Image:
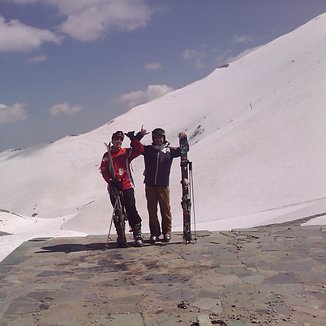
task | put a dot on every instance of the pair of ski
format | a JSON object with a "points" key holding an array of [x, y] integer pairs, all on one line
{"points": [[186, 170], [187, 188]]}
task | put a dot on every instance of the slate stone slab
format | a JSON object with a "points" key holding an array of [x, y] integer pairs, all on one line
{"points": [[273, 275]]}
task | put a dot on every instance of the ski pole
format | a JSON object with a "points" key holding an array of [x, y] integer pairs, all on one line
{"points": [[193, 198], [108, 237]]}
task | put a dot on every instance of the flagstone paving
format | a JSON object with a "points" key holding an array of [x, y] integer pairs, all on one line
{"points": [[272, 275]]}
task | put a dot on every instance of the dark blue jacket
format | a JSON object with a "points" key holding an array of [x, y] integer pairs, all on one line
{"points": [[158, 161]]}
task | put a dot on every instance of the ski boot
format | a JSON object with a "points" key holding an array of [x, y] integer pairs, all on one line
{"points": [[166, 237], [153, 239], [136, 230]]}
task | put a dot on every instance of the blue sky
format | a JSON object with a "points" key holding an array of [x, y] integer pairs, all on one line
{"points": [[68, 67]]}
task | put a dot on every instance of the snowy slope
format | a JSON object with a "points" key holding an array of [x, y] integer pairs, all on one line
{"points": [[257, 130]]}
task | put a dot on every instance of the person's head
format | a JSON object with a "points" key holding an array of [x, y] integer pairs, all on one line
{"points": [[158, 136], [117, 139]]}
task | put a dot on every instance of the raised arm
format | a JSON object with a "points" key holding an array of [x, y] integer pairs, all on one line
{"points": [[137, 147], [176, 151]]}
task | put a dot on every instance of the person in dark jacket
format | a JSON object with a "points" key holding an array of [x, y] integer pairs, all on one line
{"points": [[158, 159], [120, 182]]}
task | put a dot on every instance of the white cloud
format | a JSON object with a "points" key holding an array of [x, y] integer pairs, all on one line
{"points": [[12, 113], [153, 66], [90, 20], [195, 57], [139, 97], [39, 58], [15, 36], [71, 7], [64, 109], [242, 38]]}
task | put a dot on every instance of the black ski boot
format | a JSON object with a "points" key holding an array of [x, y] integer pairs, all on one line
{"points": [[136, 230]]}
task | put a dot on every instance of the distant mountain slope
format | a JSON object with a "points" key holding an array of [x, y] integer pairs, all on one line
{"points": [[257, 130]]}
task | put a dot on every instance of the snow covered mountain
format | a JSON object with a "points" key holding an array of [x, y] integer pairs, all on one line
{"points": [[257, 130]]}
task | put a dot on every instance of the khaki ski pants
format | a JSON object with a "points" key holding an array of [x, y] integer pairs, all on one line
{"points": [[161, 196]]}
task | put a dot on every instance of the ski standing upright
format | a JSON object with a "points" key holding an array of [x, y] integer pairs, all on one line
{"points": [[186, 198]]}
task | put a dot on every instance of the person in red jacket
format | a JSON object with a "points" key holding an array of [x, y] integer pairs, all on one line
{"points": [[120, 181]]}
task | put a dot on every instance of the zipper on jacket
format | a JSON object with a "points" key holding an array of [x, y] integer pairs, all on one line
{"points": [[156, 172]]}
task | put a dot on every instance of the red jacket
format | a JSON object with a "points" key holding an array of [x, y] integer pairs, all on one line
{"points": [[121, 164]]}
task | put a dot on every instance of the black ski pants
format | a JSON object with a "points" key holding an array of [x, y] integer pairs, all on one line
{"points": [[127, 197]]}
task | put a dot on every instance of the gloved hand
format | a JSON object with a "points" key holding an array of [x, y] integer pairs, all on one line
{"points": [[130, 135], [139, 135], [182, 135], [116, 184]]}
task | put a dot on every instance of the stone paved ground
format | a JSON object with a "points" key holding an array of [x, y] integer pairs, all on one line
{"points": [[273, 275]]}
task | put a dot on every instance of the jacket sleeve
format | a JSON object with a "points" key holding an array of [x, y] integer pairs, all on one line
{"points": [[104, 168], [176, 151], [137, 148]]}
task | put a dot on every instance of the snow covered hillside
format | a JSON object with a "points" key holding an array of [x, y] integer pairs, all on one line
{"points": [[257, 130]]}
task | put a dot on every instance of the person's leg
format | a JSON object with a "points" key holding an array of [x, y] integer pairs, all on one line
{"points": [[129, 203], [133, 217], [165, 208], [152, 201]]}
